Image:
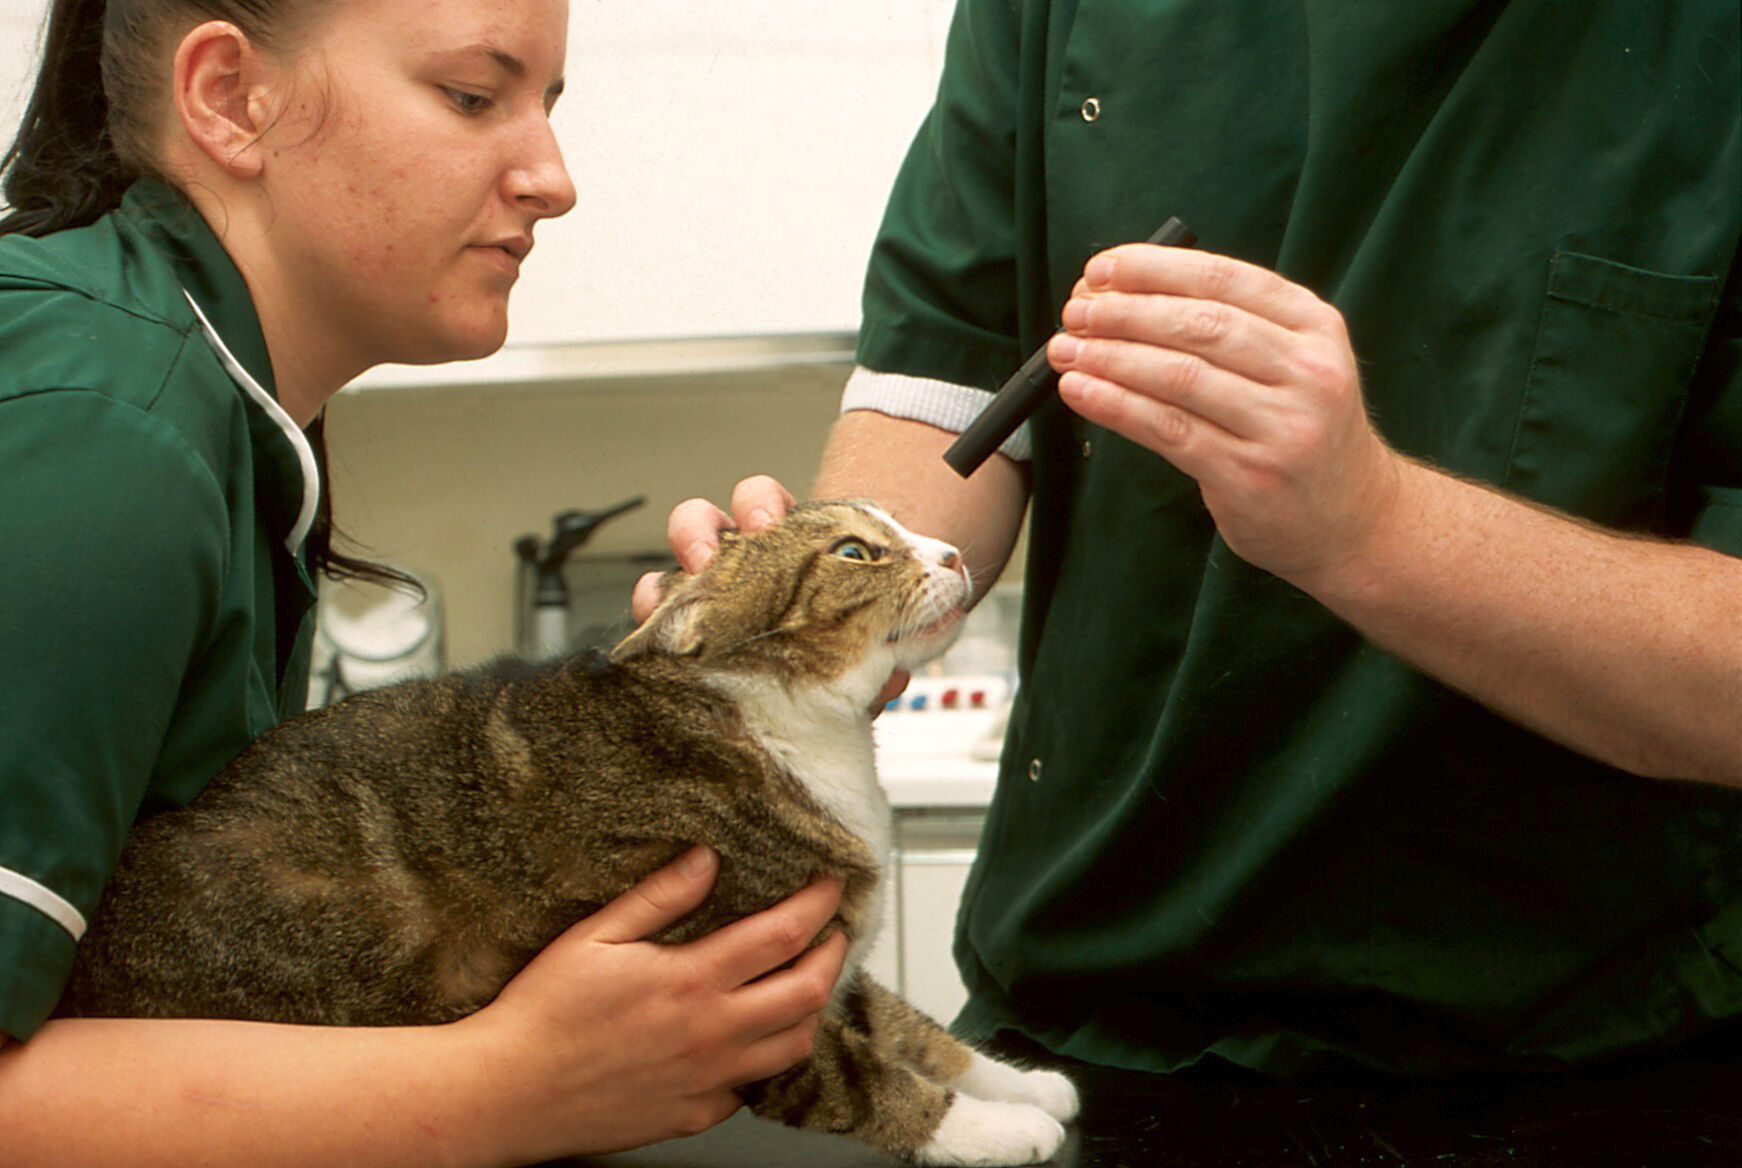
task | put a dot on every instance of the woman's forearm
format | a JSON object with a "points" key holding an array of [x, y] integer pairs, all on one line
{"points": [[123, 1092]]}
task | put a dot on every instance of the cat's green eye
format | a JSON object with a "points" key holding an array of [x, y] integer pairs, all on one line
{"points": [[854, 549]]}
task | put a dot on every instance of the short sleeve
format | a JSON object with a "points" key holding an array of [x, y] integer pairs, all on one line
{"points": [[941, 290], [1712, 455], [113, 534]]}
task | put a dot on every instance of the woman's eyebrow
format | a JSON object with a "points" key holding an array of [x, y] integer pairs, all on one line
{"points": [[511, 65]]}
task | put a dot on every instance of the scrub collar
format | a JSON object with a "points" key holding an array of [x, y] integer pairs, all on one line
{"points": [[224, 309]]}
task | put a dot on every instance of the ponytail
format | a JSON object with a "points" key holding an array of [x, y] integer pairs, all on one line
{"points": [[62, 170], [65, 169]]}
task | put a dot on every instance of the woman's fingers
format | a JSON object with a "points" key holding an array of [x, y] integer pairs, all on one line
{"points": [[661, 899], [782, 1011], [749, 948]]}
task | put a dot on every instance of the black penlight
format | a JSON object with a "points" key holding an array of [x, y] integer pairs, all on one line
{"points": [[1018, 398]]}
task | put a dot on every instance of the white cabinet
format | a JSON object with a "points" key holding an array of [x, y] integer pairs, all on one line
{"points": [[936, 761], [934, 852], [934, 847]]}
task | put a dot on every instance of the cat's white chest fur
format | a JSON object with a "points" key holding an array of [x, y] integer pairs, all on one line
{"points": [[823, 738], [818, 727]]}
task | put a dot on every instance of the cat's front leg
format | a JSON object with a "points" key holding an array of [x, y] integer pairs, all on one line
{"points": [[950, 1062], [987, 1078], [860, 1085]]}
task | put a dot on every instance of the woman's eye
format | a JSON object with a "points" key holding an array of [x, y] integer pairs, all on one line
{"points": [[852, 549], [466, 101]]}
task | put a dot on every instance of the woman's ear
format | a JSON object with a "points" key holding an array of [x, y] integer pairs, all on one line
{"points": [[221, 97]]}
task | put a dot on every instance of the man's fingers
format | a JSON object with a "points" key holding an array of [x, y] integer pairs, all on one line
{"points": [[645, 598], [693, 528], [660, 900], [693, 531], [892, 689], [1204, 275], [759, 501]]}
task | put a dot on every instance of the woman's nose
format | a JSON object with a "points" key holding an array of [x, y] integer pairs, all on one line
{"points": [[542, 180]]}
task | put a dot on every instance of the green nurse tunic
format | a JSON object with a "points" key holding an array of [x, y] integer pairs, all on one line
{"points": [[1225, 824], [154, 603]]}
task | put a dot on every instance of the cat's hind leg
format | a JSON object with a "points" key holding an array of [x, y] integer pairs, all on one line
{"points": [[945, 1059]]}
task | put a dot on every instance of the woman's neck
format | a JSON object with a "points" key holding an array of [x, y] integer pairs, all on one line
{"points": [[309, 362]]}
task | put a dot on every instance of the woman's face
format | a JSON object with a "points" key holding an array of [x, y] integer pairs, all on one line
{"points": [[408, 170]]}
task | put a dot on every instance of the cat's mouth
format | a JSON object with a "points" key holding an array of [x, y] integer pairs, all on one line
{"points": [[932, 629]]}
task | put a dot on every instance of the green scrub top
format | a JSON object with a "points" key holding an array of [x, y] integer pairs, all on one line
{"points": [[1225, 824], [155, 603]]}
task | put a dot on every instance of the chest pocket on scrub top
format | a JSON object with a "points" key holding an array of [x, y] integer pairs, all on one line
{"points": [[1615, 349]]}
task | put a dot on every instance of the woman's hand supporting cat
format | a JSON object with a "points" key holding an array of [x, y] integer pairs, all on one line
{"points": [[665, 1032], [606, 1041]]}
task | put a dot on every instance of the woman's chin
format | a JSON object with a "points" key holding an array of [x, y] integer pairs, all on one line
{"points": [[458, 344]]}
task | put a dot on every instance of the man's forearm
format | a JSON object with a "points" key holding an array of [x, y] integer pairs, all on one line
{"points": [[899, 464], [1625, 649]]}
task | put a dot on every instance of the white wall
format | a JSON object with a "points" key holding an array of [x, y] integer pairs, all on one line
{"points": [[20, 28]]}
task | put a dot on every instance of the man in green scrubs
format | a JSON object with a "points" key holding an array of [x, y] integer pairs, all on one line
{"points": [[181, 607], [1251, 814]]}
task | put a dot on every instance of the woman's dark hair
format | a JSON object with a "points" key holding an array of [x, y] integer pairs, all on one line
{"points": [[90, 130], [322, 556], [92, 124], [61, 170]]}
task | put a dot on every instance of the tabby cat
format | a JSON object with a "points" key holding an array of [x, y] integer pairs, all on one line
{"points": [[396, 858]]}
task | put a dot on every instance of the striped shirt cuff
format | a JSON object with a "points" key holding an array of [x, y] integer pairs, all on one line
{"points": [[943, 404]]}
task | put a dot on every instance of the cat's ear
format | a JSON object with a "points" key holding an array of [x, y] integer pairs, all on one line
{"points": [[675, 627]]}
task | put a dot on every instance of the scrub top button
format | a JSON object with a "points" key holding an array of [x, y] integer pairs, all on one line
{"points": [[1088, 448], [1091, 109], [1034, 770]]}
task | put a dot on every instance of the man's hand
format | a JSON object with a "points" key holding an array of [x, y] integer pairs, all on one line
{"points": [[1244, 381], [693, 531]]}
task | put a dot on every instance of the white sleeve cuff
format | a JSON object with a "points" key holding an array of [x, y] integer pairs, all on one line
{"points": [[43, 899], [943, 404]]}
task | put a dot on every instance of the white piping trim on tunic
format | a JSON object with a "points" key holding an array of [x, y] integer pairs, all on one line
{"points": [[305, 454], [44, 899]]}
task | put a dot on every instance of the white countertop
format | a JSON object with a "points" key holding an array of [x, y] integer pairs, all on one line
{"points": [[938, 758]]}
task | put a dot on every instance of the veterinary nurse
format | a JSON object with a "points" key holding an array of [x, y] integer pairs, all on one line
{"points": [[273, 196]]}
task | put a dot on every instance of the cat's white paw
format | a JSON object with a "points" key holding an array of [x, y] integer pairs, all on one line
{"points": [[984, 1132], [1050, 1091]]}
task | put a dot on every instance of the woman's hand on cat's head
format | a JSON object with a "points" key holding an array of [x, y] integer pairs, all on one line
{"points": [[693, 530]]}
